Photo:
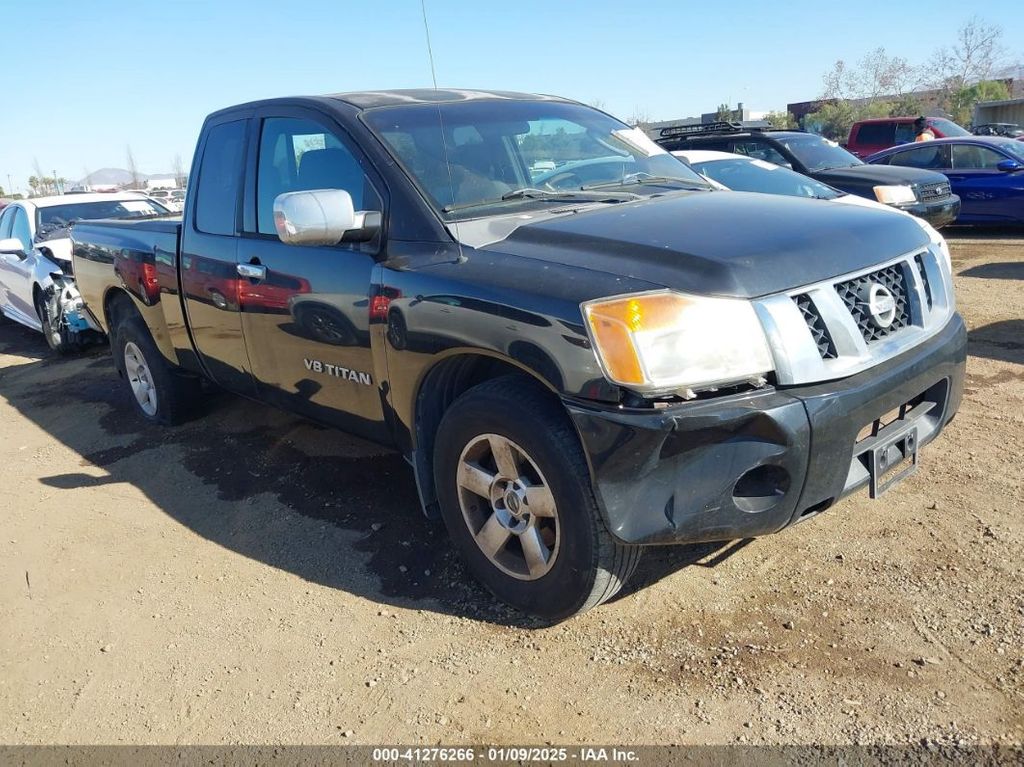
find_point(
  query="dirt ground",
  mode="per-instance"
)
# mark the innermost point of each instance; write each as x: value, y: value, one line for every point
x: 252, y: 578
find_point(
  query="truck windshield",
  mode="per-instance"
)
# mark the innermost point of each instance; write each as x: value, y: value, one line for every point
x: 817, y: 153
x: 476, y: 158
x: 949, y: 128
x: 57, y: 216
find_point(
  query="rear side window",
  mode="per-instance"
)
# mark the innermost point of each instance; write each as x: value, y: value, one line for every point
x: 876, y: 133
x: 926, y: 155
x: 905, y: 133
x: 220, y: 178
x: 758, y: 150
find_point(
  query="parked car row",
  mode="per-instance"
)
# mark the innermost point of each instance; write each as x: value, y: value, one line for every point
x: 967, y: 179
x: 924, y: 193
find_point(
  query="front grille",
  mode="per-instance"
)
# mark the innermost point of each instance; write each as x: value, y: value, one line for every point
x: 936, y: 191
x: 856, y: 295
x: 816, y: 325
x: 919, y: 262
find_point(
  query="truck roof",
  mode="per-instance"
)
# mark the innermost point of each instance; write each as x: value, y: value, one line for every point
x: 372, y: 99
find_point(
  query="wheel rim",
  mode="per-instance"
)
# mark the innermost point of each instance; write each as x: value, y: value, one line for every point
x: 508, y: 507
x: 49, y: 327
x: 140, y: 379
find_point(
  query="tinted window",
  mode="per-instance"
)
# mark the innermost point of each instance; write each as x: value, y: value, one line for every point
x: 467, y: 156
x: 877, y: 133
x: 21, y: 228
x: 761, y: 176
x: 759, y: 151
x: 905, y: 133
x: 220, y: 178
x: 969, y: 157
x: 926, y: 156
x: 818, y: 153
x: 56, y: 216
x: 6, y: 220
x: 301, y: 155
x: 948, y: 128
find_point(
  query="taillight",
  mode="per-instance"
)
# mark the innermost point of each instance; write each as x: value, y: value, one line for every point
x: 149, y: 283
x: 379, y: 307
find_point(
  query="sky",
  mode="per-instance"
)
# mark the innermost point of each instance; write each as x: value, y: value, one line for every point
x: 84, y: 79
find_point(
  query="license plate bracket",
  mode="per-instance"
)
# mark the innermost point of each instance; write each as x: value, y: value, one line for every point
x: 892, y: 452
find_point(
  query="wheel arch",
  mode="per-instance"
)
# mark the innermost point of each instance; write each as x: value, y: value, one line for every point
x: 438, y: 387
x: 119, y: 303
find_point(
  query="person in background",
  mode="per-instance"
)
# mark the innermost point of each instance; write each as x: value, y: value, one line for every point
x: 921, y: 130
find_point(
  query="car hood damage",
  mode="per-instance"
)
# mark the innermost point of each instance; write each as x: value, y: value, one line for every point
x: 733, y: 244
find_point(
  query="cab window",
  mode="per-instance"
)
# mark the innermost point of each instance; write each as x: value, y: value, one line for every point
x: 877, y: 133
x: 220, y: 178
x: 301, y: 155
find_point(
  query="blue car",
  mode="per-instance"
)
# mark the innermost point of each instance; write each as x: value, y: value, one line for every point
x: 987, y: 172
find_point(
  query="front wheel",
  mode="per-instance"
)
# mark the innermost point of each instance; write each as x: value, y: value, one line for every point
x: 515, y: 495
x: 58, y: 337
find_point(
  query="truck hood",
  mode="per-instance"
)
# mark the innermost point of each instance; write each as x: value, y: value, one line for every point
x: 867, y: 175
x: 735, y: 244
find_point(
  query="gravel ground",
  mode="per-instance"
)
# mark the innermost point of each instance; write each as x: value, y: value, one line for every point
x: 252, y: 578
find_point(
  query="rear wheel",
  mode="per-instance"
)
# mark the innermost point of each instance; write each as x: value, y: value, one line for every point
x: 515, y: 494
x: 160, y: 393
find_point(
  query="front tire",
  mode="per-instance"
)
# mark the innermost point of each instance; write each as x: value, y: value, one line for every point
x: 58, y: 338
x: 161, y: 394
x: 515, y: 494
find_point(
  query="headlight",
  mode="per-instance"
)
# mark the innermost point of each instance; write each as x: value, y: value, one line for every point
x: 895, y: 195
x: 663, y: 342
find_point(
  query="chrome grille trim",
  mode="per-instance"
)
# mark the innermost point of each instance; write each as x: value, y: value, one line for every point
x: 797, y: 349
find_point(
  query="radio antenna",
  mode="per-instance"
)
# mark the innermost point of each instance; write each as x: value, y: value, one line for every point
x: 440, y: 122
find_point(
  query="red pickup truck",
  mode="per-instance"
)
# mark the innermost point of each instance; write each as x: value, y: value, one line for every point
x: 870, y: 136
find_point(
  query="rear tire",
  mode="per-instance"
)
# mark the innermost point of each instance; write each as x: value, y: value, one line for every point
x: 535, y: 539
x: 160, y: 393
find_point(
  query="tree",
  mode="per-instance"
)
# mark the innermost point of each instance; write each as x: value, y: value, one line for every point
x: 876, y: 76
x: 724, y: 113
x: 179, y: 171
x: 640, y: 118
x: 978, y: 50
x: 782, y: 120
x: 833, y: 120
x: 961, y: 102
x: 132, y: 168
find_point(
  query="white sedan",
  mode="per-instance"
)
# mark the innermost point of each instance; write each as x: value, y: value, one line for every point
x: 740, y: 173
x: 36, y: 283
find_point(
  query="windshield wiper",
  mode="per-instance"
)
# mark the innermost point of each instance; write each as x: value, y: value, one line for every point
x: 530, y: 193
x: 640, y: 178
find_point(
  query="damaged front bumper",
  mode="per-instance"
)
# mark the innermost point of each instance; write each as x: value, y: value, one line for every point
x: 752, y: 464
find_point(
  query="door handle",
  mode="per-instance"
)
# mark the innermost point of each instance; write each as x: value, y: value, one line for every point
x: 252, y: 271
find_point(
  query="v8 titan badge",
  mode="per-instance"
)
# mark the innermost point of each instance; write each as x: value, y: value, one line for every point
x: 337, y: 371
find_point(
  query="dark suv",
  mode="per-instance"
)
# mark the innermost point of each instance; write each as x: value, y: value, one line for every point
x: 923, y: 193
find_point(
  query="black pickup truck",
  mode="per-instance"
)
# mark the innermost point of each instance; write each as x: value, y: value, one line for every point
x: 580, y: 348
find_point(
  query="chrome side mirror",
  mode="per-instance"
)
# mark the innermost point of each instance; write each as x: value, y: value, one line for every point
x: 13, y: 246
x: 322, y: 217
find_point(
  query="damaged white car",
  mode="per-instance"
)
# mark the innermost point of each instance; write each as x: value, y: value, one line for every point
x: 37, y: 287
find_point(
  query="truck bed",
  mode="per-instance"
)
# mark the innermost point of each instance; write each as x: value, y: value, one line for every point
x: 138, y: 256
